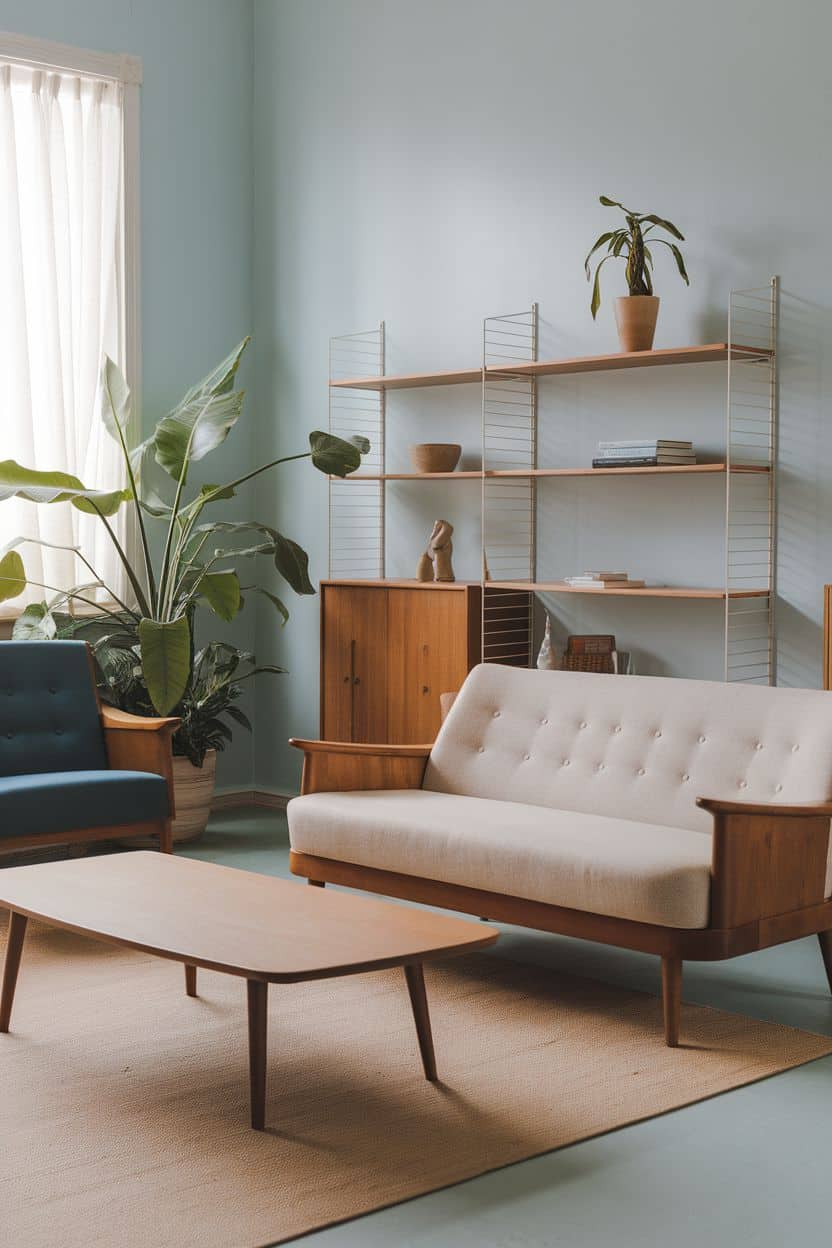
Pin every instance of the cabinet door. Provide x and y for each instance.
(353, 663)
(428, 648)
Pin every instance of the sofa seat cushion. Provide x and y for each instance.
(65, 801)
(597, 863)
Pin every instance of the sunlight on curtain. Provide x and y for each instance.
(61, 306)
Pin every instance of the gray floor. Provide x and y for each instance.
(750, 1168)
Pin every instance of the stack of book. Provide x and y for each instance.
(603, 580)
(644, 453)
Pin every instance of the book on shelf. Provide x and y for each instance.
(599, 582)
(653, 444)
(645, 461)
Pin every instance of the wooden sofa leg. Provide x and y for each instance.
(672, 998)
(317, 883)
(166, 837)
(825, 942)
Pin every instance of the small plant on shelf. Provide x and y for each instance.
(636, 312)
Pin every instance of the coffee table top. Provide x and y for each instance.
(234, 921)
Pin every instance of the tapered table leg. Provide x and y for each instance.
(415, 977)
(257, 1031)
(672, 999)
(825, 941)
(17, 931)
(190, 980)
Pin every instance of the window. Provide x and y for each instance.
(68, 259)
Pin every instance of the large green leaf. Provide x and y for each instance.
(292, 562)
(221, 379)
(12, 576)
(114, 394)
(202, 420)
(335, 456)
(195, 428)
(37, 623)
(166, 661)
(56, 487)
(221, 590)
(665, 225)
(273, 599)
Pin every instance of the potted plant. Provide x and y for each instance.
(636, 312)
(144, 642)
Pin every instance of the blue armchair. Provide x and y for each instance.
(73, 770)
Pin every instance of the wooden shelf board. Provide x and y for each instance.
(411, 381)
(706, 353)
(466, 475)
(650, 591)
(620, 472)
(401, 583)
(476, 475)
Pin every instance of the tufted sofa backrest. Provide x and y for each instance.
(48, 710)
(636, 747)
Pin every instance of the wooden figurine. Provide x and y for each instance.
(435, 564)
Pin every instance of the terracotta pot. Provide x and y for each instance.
(193, 791)
(635, 316)
(435, 456)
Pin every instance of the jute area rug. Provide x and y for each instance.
(124, 1104)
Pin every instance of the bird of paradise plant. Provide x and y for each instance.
(196, 562)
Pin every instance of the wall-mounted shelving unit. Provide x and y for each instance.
(510, 476)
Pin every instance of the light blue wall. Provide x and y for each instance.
(196, 197)
(430, 163)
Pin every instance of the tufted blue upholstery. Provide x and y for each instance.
(48, 711)
(67, 801)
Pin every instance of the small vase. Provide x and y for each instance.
(547, 659)
(635, 316)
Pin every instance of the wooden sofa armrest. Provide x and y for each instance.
(767, 859)
(344, 766)
(136, 743)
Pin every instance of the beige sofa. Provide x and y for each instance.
(679, 817)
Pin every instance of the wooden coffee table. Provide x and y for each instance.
(265, 930)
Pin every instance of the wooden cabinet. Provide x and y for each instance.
(388, 650)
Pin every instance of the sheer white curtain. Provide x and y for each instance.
(61, 305)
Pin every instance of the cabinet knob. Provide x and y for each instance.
(425, 688)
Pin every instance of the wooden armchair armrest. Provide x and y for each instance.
(134, 743)
(344, 766)
(112, 717)
(767, 859)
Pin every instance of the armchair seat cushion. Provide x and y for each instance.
(62, 801)
(597, 863)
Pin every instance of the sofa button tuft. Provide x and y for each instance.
(10, 734)
(640, 771)
(481, 749)
(758, 745)
(657, 734)
(685, 777)
(496, 714)
(778, 788)
(52, 689)
(795, 748)
(743, 784)
(565, 762)
(583, 723)
(702, 740)
(544, 721)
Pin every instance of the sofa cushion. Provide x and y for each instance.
(66, 801)
(634, 747)
(597, 863)
(48, 709)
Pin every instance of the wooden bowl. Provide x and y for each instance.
(435, 456)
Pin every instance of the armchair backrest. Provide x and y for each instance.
(636, 747)
(49, 718)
